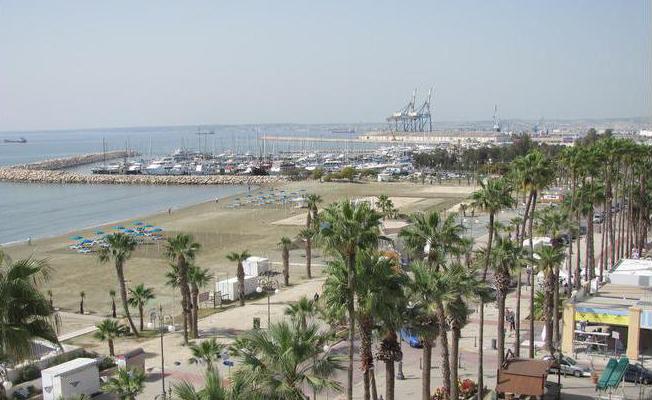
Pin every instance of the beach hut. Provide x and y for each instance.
(71, 379)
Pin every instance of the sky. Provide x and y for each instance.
(81, 64)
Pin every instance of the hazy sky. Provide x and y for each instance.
(73, 64)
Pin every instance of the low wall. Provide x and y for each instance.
(14, 174)
(68, 162)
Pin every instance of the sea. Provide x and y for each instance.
(34, 211)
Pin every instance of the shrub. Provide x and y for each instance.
(106, 363)
(29, 373)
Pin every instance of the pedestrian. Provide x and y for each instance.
(29, 241)
(512, 321)
(170, 211)
(316, 297)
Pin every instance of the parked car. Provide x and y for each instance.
(568, 366)
(638, 374)
(412, 339)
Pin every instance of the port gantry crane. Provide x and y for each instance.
(412, 119)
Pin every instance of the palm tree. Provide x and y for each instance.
(139, 297)
(206, 352)
(240, 258)
(82, 295)
(466, 288)
(127, 384)
(506, 258)
(277, 363)
(25, 314)
(429, 291)
(182, 250)
(302, 311)
(307, 235)
(113, 308)
(347, 229)
(548, 259)
(120, 248)
(197, 278)
(312, 226)
(212, 390)
(108, 330)
(285, 244)
(434, 238)
(379, 290)
(493, 196)
(386, 206)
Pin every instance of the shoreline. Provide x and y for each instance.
(24, 242)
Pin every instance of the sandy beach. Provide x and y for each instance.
(220, 230)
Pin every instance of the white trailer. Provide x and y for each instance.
(229, 289)
(74, 378)
(254, 266)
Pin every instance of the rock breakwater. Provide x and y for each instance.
(74, 161)
(51, 171)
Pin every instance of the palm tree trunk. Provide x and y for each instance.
(425, 371)
(351, 315)
(194, 331)
(286, 266)
(113, 310)
(578, 247)
(374, 389)
(309, 258)
(549, 312)
(241, 284)
(480, 379)
(366, 355)
(455, 353)
(111, 348)
(500, 300)
(443, 340)
(184, 288)
(532, 280)
(123, 296)
(590, 257)
(389, 380)
(555, 300)
(603, 236)
(517, 317)
(140, 314)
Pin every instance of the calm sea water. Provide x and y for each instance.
(35, 210)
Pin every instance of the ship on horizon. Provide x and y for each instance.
(19, 140)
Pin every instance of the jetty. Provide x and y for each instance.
(53, 171)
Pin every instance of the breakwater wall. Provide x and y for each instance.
(14, 174)
(74, 161)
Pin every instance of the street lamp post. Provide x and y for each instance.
(161, 326)
(269, 285)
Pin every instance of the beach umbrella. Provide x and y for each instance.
(156, 230)
(149, 226)
(76, 237)
(138, 223)
(129, 231)
(118, 227)
(85, 241)
(99, 232)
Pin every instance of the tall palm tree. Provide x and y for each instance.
(139, 297)
(120, 249)
(197, 278)
(548, 259)
(537, 173)
(182, 250)
(386, 206)
(429, 291)
(277, 363)
(206, 352)
(433, 238)
(302, 311)
(379, 290)
(240, 258)
(112, 295)
(285, 243)
(312, 226)
(108, 330)
(25, 314)
(348, 228)
(307, 235)
(82, 296)
(493, 196)
(127, 384)
(506, 258)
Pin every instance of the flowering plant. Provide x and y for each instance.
(465, 388)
